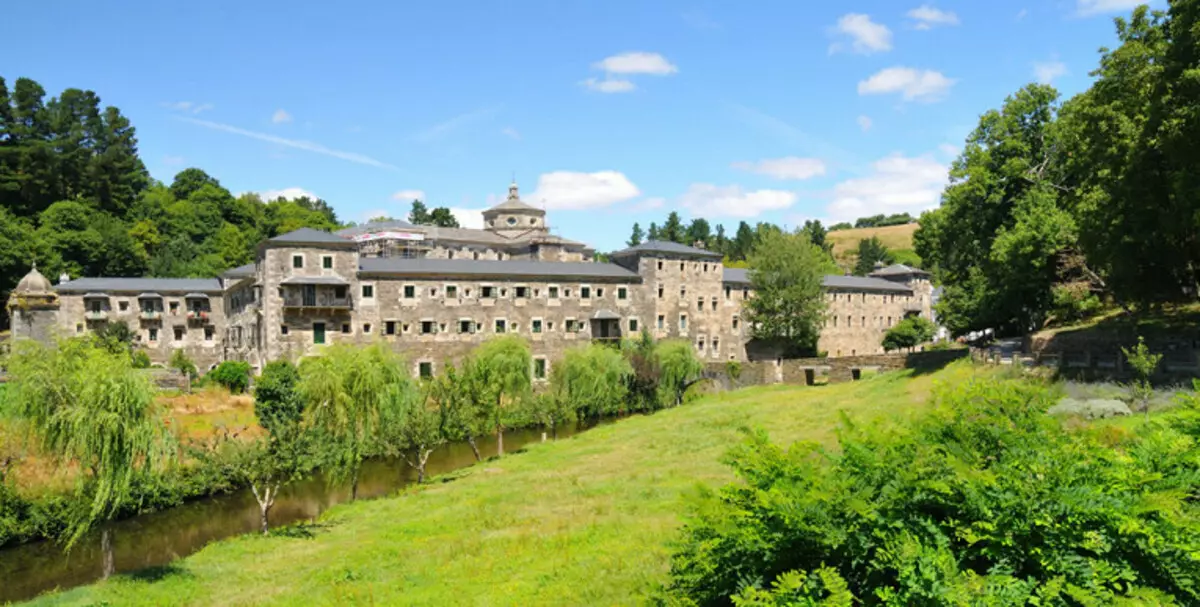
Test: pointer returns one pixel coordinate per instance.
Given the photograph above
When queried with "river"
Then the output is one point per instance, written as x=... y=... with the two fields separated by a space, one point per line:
x=153 y=540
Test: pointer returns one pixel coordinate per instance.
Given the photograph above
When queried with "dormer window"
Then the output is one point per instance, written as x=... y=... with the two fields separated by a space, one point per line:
x=512 y=221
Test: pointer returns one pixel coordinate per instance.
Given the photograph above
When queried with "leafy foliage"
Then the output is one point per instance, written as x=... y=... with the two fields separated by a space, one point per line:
x=908 y=333
x=984 y=500
x=1143 y=363
x=592 y=380
x=787 y=273
x=870 y=252
x=277 y=401
x=234 y=375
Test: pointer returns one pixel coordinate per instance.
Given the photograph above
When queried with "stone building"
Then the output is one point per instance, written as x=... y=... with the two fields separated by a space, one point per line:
x=434 y=293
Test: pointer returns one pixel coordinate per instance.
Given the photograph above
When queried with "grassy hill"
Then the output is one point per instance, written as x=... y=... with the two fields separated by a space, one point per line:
x=896 y=238
x=586 y=520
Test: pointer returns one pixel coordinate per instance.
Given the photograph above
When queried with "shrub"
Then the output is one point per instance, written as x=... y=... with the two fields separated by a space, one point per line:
x=985 y=500
x=181 y=363
x=1095 y=408
x=277 y=402
x=234 y=375
x=141 y=360
x=908 y=333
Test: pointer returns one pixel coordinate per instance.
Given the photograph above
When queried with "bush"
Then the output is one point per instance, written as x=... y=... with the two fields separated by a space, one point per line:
x=234 y=375
x=1073 y=302
x=141 y=360
x=908 y=333
x=983 y=501
x=277 y=402
x=1095 y=408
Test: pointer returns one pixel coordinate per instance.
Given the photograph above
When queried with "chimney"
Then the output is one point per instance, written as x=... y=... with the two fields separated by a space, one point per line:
x=699 y=244
x=64 y=277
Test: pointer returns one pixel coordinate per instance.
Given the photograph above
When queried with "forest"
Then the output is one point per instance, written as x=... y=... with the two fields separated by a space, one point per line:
x=1056 y=208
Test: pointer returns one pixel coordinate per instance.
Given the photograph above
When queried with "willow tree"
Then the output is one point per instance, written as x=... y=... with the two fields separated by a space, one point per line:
x=411 y=426
x=679 y=369
x=593 y=380
x=344 y=389
x=500 y=374
x=283 y=456
x=86 y=405
x=460 y=418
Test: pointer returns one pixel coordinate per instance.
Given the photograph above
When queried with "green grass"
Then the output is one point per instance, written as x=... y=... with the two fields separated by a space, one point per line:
x=582 y=521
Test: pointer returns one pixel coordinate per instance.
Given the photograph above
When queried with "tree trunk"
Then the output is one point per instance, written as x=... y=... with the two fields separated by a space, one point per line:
x=354 y=486
x=422 y=457
x=499 y=441
x=554 y=431
x=266 y=500
x=108 y=561
x=474 y=448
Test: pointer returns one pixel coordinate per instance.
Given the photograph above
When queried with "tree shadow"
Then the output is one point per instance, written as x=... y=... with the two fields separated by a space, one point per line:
x=159 y=573
x=927 y=363
x=304 y=530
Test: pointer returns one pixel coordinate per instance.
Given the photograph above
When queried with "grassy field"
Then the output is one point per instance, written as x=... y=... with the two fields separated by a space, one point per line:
x=582 y=521
x=893 y=237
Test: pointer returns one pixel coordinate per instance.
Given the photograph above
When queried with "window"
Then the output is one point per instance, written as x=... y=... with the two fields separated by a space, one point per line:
x=339 y=292
x=174 y=306
x=569 y=325
x=537 y=325
x=466 y=326
x=346 y=328
x=889 y=321
x=153 y=334
x=487 y=292
x=503 y=292
x=428 y=327
x=297 y=261
x=327 y=262
x=522 y=292
x=864 y=321
x=425 y=370
x=705 y=267
x=124 y=305
x=283 y=329
x=501 y=325
x=735 y=323
x=700 y=344
x=716 y=346
x=410 y=291
x=662 y=322
x=622 y=293
x=368 y=291
x=660 y=264
x=835 y=322
x=451 y=291
x=79 y=328
x=727 y=292
x=552 y=293
x=433 y=291
x=389 y=327
x=745 y=293
x=600 y=292
x=633 y=325
x=179 y=333
x=366 y=328
x=682 y=293
x=539 y=368
x=318 y=332
x=660 y=291
x=683 y=322
x=567 y=292
x=585 y=292
x=208 y=333
x=714 y=303
x=700 y=304
x=514 y=328
x=681 y=267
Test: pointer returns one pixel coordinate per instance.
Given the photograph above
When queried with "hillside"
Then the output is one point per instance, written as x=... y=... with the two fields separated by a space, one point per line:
x=898 y=239
x=586 y=520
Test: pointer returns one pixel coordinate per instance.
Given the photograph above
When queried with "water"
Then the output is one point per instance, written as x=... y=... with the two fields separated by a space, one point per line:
x=156 y=539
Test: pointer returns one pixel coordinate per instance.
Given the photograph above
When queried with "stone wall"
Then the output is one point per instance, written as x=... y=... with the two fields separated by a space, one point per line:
x=806 y=370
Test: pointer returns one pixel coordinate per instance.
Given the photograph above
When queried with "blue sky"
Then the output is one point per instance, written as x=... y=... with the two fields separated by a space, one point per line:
x=607 y=112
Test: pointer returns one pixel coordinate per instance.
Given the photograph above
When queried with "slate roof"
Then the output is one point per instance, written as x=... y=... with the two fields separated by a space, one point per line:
x=509 y=269
x=741 y=276
x=141 y=285
x=376 y=226
x=457 y=235
x=667 y=248
x=309 y=236
x=899 y=269
x=514 y=204
x=240 y=271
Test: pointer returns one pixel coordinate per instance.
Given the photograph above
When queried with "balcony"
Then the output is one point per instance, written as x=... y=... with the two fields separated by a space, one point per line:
x=150 y=315
x=327 y=303
x=96 y=315
x=197 y=316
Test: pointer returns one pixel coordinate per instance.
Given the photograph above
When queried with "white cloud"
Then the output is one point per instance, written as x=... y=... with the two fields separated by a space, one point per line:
x=189 y=106
x=789 y=167
x=280 y=116
x=865 y=123
x=865 y=36
x=928 y=17
x=708 y=200
x=468 y=218
x=408 y=195
x=653 y=64
x=896 y=184
x=288 y=193
x=574 y=190
x=1097 y=7
x=373 y=213
x=949 y=149
x=609 y=85
x=1047 y=71
x=307 y=146
x=510 y=132
x=912 y=84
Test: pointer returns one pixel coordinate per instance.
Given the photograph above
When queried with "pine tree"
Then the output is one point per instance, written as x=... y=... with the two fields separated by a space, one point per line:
x=635 y=239
x=672 y=230
x=653 y=233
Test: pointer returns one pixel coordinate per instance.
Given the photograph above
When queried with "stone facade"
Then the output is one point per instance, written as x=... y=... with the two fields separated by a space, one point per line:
x=435 y=293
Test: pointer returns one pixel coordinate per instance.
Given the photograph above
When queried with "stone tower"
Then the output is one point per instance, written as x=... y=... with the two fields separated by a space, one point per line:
x=33 y=308
x=513 y=217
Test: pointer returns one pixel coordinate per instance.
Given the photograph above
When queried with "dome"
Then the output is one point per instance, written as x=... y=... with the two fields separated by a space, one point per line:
x=34 y=284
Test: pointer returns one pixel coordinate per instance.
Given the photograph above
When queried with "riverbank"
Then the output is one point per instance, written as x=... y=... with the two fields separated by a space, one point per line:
x=586 y=520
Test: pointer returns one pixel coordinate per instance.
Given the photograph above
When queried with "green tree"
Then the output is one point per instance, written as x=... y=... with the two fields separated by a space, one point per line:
x=189 y=181
x=278 y=404
x=461 y=418
x=284 y=455
x=345 y=390
x=593 y=380
x=234 y=375
x=678 y=370
x=88 y=405
x=816 y=233
x=672 y=229
x=787 y=274
x=410 y=428
x=653 y=234
x=499 y=377
x=442 y=217
x=419 y=215
x=908 y=333
x=1144 y=364
x=743 y=242
x=698 y=231
x=637 y=236
x=870 y=252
